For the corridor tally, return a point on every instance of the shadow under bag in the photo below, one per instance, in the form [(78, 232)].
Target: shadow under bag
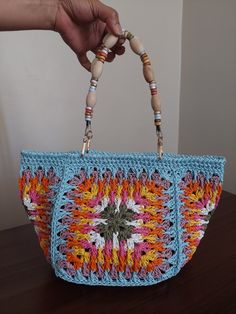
[(119, 219)]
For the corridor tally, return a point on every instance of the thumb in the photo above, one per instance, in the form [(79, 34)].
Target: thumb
[(111, 17), (84, 61)]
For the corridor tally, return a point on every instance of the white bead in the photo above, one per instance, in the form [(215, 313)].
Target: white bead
[(96, 69), (137, 46), (105, 50), (153, 85), (92, 89), (157, 115), (109, 40)]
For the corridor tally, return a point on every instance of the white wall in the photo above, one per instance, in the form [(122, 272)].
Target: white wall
[(43, 88), (208, 83)]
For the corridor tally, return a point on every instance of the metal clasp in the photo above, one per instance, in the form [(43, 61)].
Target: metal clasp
[(88, 135), (159, 143)]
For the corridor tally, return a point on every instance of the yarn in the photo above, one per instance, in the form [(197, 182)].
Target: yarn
[(120, 219), (36, 192)]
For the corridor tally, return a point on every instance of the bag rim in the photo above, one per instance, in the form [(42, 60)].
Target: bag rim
[(152, 156)]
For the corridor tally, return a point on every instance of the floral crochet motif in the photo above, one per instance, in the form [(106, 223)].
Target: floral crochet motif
[(199, 199), (36, 193), (116, 221), (117, 225)]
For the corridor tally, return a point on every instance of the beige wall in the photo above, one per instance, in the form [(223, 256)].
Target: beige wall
[(208, 82), (43, 88)]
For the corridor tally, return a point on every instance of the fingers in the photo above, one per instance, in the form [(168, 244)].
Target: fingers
[(84, 61), (111, 17), (120, 50), (115, 51), (111, 56)]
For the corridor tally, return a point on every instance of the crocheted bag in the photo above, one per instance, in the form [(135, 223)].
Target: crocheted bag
[(119, 219)]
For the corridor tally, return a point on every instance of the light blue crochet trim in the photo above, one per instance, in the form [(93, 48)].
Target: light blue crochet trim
[(137, 160), (107, 281)]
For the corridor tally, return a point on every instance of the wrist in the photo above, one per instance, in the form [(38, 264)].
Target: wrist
[(52, 10), (27, 14), (48, 9)]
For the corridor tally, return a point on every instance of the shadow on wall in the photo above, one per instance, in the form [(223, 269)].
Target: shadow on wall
[(5, 158), (9, 197)]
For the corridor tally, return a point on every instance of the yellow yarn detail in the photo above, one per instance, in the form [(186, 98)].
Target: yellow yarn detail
[(80, 236), (130, 191), (150, 238), (129, 257), (150, 210), (86, 209), (115, 257), (78, 251), (193, 223), (196, 210), (149, 256), (100, 256), (106, 190), (119, 190), (145, 193), (198, 195), (149, 224), (84, 221), (214, 195), (26, 189), (92, 193), (196, 235), (86, 257)]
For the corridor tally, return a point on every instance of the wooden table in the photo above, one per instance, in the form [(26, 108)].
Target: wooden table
[(205, 285)]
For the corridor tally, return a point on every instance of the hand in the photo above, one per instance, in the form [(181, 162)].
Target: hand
[(83, 23)]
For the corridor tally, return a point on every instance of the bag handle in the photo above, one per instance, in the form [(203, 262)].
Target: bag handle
[(96, 70)]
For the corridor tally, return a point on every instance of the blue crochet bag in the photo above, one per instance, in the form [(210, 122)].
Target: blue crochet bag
[(119, 219)]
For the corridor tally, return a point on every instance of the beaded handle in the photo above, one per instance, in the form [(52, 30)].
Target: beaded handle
[(96, 69)]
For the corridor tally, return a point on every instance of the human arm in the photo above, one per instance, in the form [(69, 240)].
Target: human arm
[(81, 23)]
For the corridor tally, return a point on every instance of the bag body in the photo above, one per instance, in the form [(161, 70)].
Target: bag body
[(119, 219)]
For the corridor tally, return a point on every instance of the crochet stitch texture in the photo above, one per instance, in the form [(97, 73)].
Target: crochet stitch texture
[(119, 219)]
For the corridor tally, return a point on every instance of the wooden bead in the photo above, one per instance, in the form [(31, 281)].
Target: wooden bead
[(96, 69), (136, 45), (148, 73), (109, 40), (155, 102), (91, 99)]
